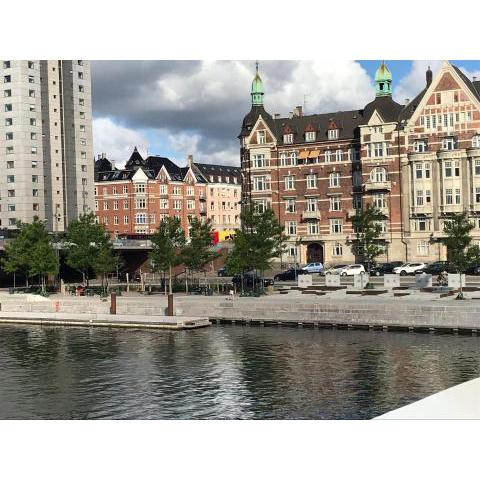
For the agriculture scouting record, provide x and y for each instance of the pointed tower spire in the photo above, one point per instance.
(257, 88)
(383, 81)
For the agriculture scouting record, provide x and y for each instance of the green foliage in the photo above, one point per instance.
(31, 252)
(366, 245)
(259, 240)
(199, 250)
(460, 251)
(167, 244)
(88, 244)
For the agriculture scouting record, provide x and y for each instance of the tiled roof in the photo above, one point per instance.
(208, 170)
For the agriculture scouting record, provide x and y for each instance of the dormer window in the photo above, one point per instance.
(261, 137)
(333, 134)
(310, 136)
(420, 146)
(288, 138)
(448, 143)
(476, 141)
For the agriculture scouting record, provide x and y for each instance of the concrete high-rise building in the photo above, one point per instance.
(45, 142)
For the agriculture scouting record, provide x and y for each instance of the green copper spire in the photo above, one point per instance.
(383, 81)
(257, 89)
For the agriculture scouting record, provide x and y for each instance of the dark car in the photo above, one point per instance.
(290, 274)
(384, 268)
(436, 268)
(251, 280)
(473, 269)
(222, 272)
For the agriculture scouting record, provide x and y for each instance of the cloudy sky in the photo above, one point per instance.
(176, 108)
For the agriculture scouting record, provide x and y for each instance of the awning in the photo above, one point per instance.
(314, 154)
(303, 155)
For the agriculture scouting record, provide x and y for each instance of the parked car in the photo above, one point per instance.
(436, 268)
(473, 269)
(290, 274)
(410, 268)
(315, 267)
(384, 268)
(355, 269)
(334, 270)
(222, 272)
(250, 280)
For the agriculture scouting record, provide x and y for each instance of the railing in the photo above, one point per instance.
(307, 215)
(369, 186)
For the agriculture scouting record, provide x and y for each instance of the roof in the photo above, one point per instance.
(135, 160)
(103, 165)
(468, 82)
(155, 163)
(388, 109)
(223, 171)
(251, 118)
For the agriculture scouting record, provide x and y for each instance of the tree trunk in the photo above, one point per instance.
(186, 282)
(169, 280)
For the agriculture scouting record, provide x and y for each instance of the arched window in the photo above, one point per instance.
(378, 174)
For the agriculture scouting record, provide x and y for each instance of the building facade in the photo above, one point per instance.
(45, 142)
(416, 162)
(134, 200)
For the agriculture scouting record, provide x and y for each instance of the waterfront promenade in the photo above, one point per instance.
(419, 311)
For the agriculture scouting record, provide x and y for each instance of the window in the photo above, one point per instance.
(290, 182)
(457, 169)
(7, 79)
(177, 190)
(288, 138)
(477, 167)
(476, 141)
(80, 75)
(81, 89)
(378, 149)
(418, 170)
(141, 203)
(448, 169)
(353, 154)
(312, 204)
(10, 193)
(31, 79)
(140, 188)
(419, 198)
(33, 150)
(328, 156)
(426, 167)
(33, 122)
(357, 178)
(82, 128)
(33, 136)
(125, 204)
(291, 228)
(81, 102)
(141, 218)
(82, 115)
(7, 93)
(334, 179)
(337, 250)
(428, 196)
(333, 134)
(338, 155)
(261, 183)
(335, 203)
(8, 107)
(335, 225)
(164, 203)
(312, 180)
(83, 155)
(423, 247)
(10, 164)
(10, 178)
(115, 220)
(448, 143)
(11, 207)
(290, 205)
(378, 174)
(379, 200)
(458, 196)
(9, 150)
(283, 160)
(34, 163)
(36, 207)
(34, 178)
(31, 64)
(8, 122)
(177, 204)
(313, 228)
(6, 64)
(261, 137)
(125, 189)
(292, 251)
(477, 194)
(32, 107)
(422, 225)
(115, 204)
(448, 196)
(420, 146)
(9, 136)
(310, 136)
(357, 202)
(261, 205)
(12, 222)
(34, 192)
(190, 204)
(259, 161)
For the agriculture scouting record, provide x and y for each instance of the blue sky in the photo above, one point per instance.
(176, 108)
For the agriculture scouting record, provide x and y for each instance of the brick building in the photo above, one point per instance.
(132, 201)
(417, 162)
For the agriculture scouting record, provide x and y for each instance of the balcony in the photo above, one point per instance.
(315, 215)
(372, 186)
(421, 210)
(451, 209)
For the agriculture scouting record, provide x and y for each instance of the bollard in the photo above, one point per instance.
(170, 305)
(113, 303)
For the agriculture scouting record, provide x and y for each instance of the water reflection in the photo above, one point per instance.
(224, 372)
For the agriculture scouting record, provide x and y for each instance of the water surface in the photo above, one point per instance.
(223, 372)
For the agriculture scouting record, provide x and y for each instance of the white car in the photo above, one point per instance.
(334, 270)
(350, 270)
(315, 267)
(409, 268)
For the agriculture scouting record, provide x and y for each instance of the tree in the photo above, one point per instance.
(199, 249)
(87, 243)
(107, 262)
(259, 240)
(167, 247)
(460, 251)
(44, 261)
(22, 253)
(366, 245)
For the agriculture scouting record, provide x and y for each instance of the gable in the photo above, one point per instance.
(190, 177)
(163, 175)
(260, 126)
(375, 119)
(139, 176)
(447, 82)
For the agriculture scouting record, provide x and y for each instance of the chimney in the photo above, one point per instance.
(104, 155)
(99, 156)
(290, 114)
(276, 115)
(190, 160)
(298, 111)
(429, 76)
(407, 101)
(112, 163)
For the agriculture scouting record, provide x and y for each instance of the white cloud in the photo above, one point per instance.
(115, 141)
(415, 81)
